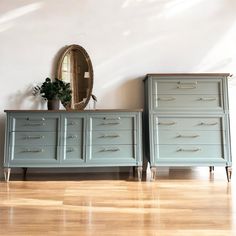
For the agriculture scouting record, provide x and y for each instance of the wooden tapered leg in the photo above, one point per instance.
(228, 172)
(153, 173)
(7, 172)
(139, 172)
(211, 168)
(24, 172)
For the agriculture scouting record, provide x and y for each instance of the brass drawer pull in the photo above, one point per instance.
(206, 123)
(166, 99)
(110, 150)
(188, 136)
(207, 99)
(111, 118)
(188, 150)
(110, 136)
(111, 123)
(35, 119)
(70, 150)
(35, 124)
(73, 123)
(34, 137)
(33, 150)
(72, 136)
(167, 123)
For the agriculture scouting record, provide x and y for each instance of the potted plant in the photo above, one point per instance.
(54, 92)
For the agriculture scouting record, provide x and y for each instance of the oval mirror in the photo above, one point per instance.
(75, 67)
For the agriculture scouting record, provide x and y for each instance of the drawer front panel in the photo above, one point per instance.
(73, 138)
(189, 137)
(186, 87)
(113, 153)
(112, 137)
(187, 101)
(35, 123)
(189, 151)
(112, 123)
(33, 138)
(74, 124)
(34, 154)
(73, 153)
(188, 123)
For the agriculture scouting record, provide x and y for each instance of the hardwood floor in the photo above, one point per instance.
(181, 202)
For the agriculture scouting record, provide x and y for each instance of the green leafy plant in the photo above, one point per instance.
(56, 89)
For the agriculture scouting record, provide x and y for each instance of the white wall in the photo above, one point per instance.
(125, 39)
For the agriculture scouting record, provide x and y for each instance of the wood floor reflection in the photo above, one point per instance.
(180, 202)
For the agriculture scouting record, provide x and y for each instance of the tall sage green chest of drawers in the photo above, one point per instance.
(186, 120)
(95, 138)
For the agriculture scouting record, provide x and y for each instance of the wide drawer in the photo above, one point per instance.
(112, 123)
(187, 86)
(189, 151)
(34, 123)
(189, 137)
(73, 138)
(188, 123)
(33, 138)
(73, 153)
(112, 137)
(34, 153)
(112, 153)
(74, 123)
(187, 101)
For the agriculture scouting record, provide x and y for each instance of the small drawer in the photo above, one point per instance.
(111, 152)
(73, 153)
(73, 138)
(188, 123)
(34, 123)
(187, 86)
(34, 153)
(112, 123)
(113, 137)
(74, 124)
(189, 137)
(33, 138)
(189, 151)
(187, 101)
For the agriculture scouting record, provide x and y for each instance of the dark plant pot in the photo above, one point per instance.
(53, 104)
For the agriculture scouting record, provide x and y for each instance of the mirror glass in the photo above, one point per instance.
(75, 67)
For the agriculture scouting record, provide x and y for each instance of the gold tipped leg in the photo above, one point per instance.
(211, 168)
(228, 172)
(153, 173)
(7, 172)
(139, 172)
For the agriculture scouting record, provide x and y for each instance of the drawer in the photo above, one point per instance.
(187, 101)
(34, 153)
(189, 151)
(74, 124)
(73, 138)
(73, 153)
(33, 138)
(189, 137)
(112, 123)
(188, 123)
(187, 86)
(112, 137)
(113, 153)
(34, 123)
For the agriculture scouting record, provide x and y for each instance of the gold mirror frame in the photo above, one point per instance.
(74, 75)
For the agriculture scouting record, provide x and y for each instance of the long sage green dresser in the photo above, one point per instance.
(92, 138)
(186, 119)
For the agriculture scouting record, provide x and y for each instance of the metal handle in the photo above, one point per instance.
(110, 136)
(111, 123)
(188, 136)
(207, 99)
(72, 136)
(110, 150)
(188, 150)
(34, 137)
(205, 123)
(73, 123)
(166, 98)
(167, 123)
(111, 118)
(35, 124)
(70, 150)
(33, 150)
(186, 86)
(33, 119)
